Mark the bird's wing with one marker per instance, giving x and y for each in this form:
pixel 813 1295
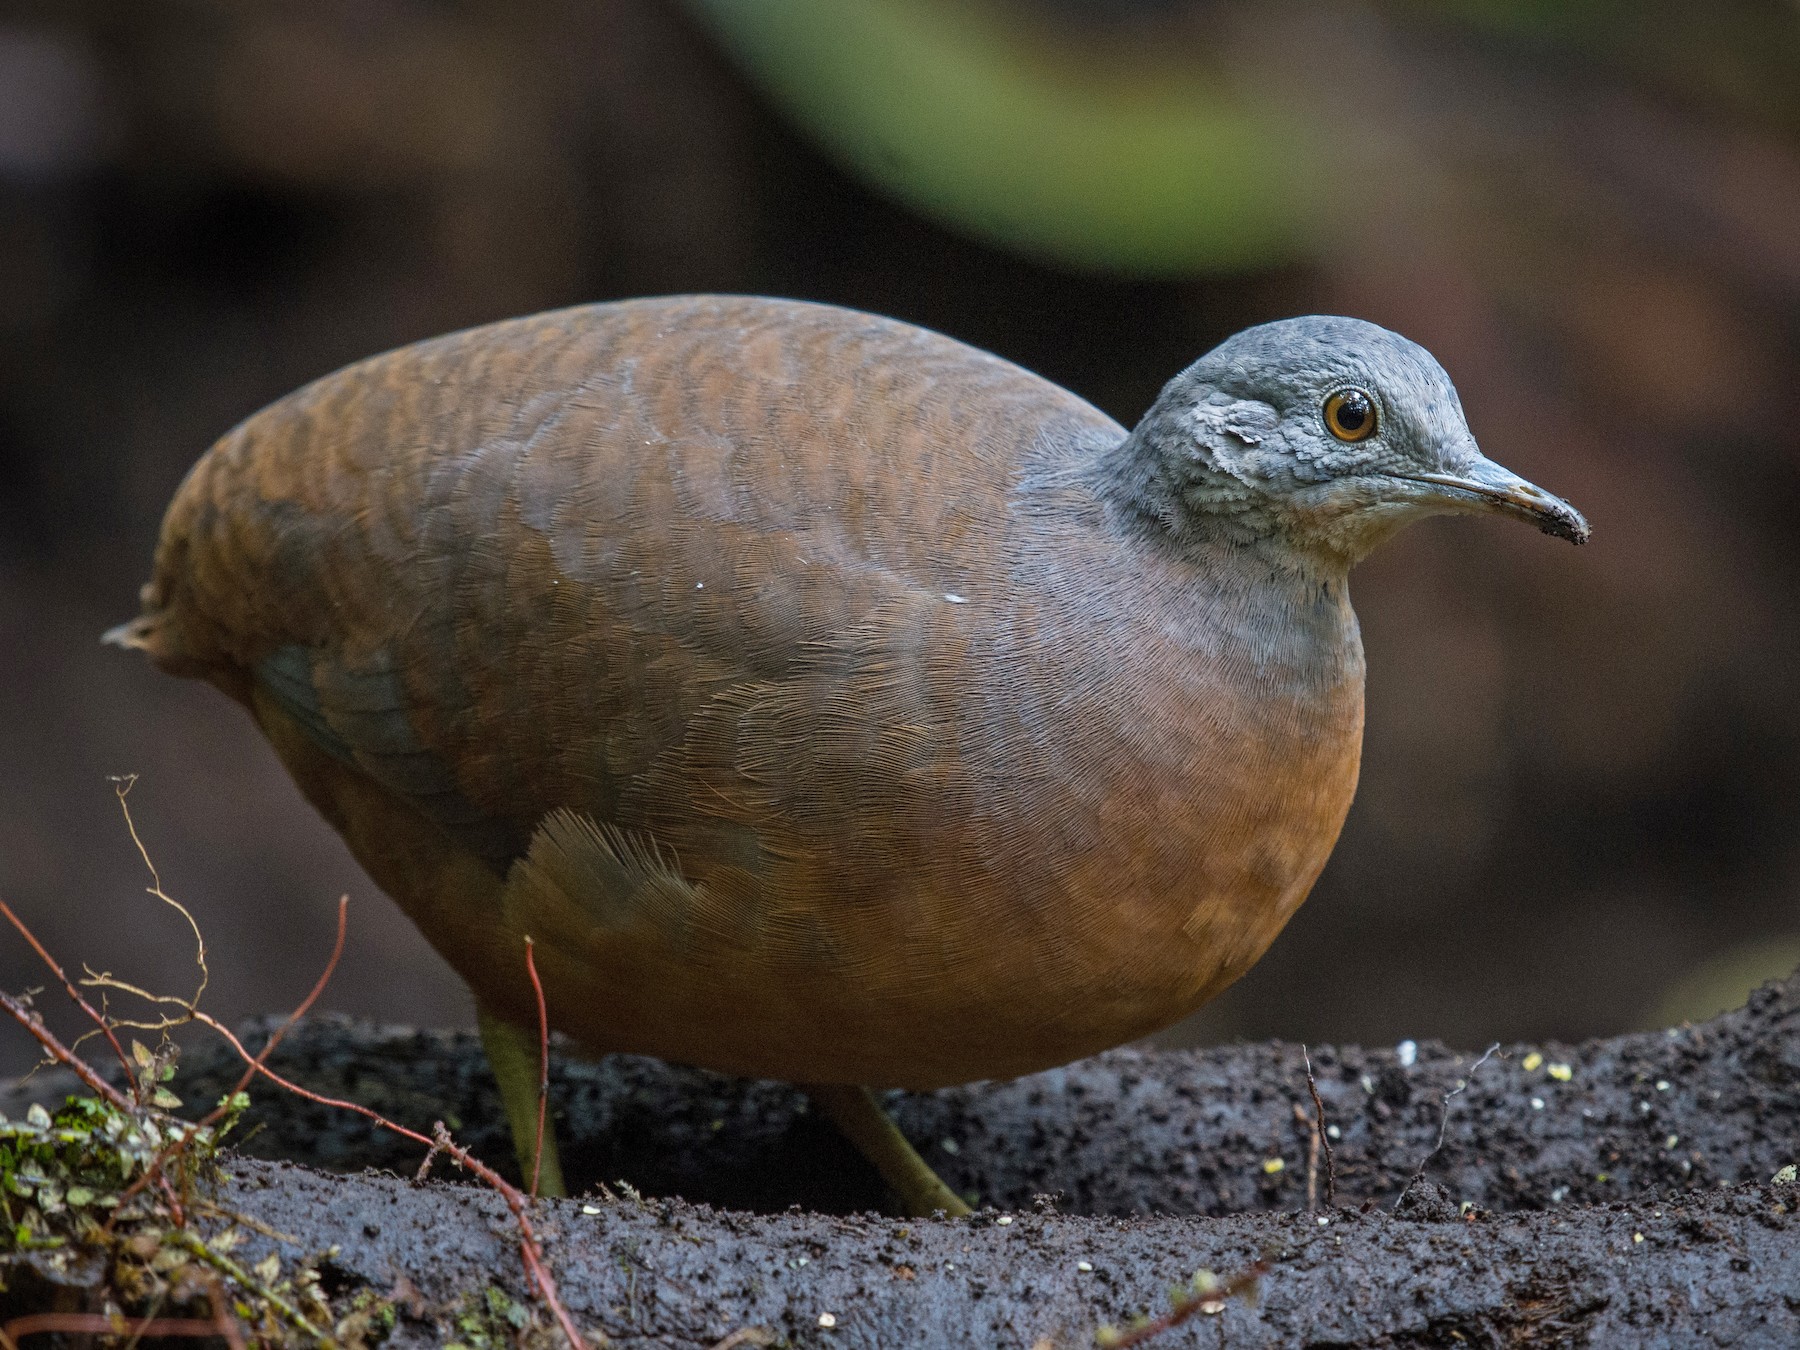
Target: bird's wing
pixel 699 570
pixel 362 713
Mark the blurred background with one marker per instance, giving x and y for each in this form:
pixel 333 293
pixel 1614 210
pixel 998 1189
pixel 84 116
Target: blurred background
pixel 1580 808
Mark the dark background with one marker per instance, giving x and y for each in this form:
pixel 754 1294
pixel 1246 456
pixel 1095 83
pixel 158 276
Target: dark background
pixel 1582 775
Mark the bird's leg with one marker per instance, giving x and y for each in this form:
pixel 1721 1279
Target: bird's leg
pixel 512 1053
pixel 855 1111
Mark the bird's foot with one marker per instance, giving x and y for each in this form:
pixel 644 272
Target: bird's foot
pixel 855 1111
pixel 513 1054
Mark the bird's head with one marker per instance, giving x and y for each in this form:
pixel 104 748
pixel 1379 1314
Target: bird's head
pixel 1324 433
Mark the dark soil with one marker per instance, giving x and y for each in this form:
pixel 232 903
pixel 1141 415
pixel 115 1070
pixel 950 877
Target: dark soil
pixel 1628 1203
pixel 1719 1268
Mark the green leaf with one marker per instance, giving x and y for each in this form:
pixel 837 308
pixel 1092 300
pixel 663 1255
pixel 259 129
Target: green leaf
pixel 972 114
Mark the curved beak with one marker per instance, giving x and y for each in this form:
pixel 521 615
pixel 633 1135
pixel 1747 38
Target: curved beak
pixel 1485 486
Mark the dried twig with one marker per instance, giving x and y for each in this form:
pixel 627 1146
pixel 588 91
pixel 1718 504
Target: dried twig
pixel 530 1248
pixel 289 1085
pixel 1209 1300
pixel 331 964
pixel 175 1150
pixel 1319 1138
pixel 425 1164
pixel 33 1022
pixel 1444 1122
pixel 122 785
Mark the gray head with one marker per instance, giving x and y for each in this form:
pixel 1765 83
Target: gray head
pixel 1323 434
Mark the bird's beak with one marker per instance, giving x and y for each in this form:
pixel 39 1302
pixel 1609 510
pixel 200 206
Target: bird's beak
pixel 1484 486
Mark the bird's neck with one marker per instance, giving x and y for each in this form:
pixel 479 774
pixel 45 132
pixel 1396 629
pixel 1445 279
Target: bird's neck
pixel 1198 598
pixel 1278 624
pixel 1185 500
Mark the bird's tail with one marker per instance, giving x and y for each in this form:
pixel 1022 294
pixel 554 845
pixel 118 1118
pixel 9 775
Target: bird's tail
pixel 149 633
pixel 161 633
pixel 137 634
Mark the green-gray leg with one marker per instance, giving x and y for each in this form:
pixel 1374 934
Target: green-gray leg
pixel 512 1053
pixel 855 1111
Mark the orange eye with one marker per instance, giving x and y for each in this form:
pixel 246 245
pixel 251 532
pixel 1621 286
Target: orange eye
pixel 1350 415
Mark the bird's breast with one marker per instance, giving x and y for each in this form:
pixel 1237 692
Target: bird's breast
pixel 1177 750
pixel 981 838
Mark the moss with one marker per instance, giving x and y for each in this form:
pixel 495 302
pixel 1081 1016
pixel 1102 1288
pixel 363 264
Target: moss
pixel 492 1319
pixel 81 1213
pixel 67 1180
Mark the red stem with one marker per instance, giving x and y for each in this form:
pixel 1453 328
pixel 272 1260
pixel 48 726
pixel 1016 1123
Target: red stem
pixel 530 1251
pixel 207 1019
pixel 223 1322
pixel 34 1023
pixel 69 987
pixel 337 951
pixel 150 1328
pixel 537 987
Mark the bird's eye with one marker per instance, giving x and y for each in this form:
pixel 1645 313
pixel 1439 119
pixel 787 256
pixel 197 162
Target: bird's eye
pixel 1350 415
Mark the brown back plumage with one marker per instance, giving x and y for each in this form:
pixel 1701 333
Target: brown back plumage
pixel 776 669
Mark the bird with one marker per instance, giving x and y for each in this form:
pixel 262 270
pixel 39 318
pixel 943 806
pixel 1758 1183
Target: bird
pixel 824 699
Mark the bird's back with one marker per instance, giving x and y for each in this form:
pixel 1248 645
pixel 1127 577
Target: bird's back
pixel 724 646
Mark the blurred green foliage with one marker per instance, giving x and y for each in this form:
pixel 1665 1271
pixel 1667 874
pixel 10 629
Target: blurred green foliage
pixel 1136 139
pixel 1078 152
pixel 1723 982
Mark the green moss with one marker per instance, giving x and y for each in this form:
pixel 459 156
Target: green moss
pixel 491 1320
pixel 79 1212
pixel 64 1176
